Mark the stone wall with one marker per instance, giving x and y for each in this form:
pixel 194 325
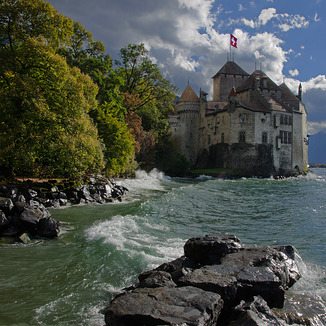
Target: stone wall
pixel 250 160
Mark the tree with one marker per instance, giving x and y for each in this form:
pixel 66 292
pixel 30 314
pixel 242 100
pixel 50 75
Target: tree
pixel 142 77
pixel 44 123
pixel 23 19
pixel 118 143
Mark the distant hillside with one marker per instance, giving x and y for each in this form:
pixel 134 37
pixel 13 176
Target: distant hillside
pixel 317 148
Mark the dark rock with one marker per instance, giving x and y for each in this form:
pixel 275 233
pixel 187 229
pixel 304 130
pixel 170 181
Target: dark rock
pixel 253 281
pixel 31 216
pixel 157 279
pixel 3 190
pixel 6 205
pixel 225 284
pixel 240 274
pixel 48 227
pixel 176 268
pixel 286 255
pixel 255 313
pixel 12 192
pixel 164 306
pixel 19 206
pixel 62 195
pixel 11 231
pixel 266 256
pixel 4 223
pixel 31 193
pixel 21 198
pixel 84 193
pixel 210 249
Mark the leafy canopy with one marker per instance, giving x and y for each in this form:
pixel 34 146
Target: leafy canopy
pixel 45 128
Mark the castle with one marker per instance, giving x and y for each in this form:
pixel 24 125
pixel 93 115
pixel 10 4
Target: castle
pixel 251 125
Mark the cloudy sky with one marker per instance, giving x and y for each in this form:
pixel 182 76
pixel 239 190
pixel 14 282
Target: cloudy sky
pixel 189 39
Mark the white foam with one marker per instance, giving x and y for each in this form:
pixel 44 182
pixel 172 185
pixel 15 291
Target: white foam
pixel 146 181
pixel 136 236
pixel 204 177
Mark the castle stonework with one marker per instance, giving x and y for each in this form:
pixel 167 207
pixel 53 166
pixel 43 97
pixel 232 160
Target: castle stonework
pixel 251 125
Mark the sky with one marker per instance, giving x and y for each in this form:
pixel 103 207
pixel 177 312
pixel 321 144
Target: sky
pixel 189 40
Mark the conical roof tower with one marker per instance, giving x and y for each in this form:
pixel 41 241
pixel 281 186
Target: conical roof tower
pixel 188 95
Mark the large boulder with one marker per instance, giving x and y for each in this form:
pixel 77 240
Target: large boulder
pixel 253 279
pixel 164 306
pixel 48 228
pixel 209 249
pixel 276 258
pixel 6 205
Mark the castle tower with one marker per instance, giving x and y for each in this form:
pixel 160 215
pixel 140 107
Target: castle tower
pixel 188 109
pixel 229 76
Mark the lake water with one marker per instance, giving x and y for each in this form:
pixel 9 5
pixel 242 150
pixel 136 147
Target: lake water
pixel 103 248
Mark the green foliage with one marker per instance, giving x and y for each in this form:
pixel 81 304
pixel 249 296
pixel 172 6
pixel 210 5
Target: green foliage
pixel 23 19
pixel 64 110
pixel 117 142
pixel 142 77
pixel 44 125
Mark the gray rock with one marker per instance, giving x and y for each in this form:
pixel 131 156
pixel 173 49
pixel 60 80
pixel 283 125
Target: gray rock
pixel 48 227
pixel 282 265
pixel 31 215
pixel 164 306
pixel 253 281
pixel 3 220
pixel 157 279
pixel 225 284
pixel 255 313
pixel 6 205
pixel 210 249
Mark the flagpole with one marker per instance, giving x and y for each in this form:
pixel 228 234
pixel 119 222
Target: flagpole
pixel 230 49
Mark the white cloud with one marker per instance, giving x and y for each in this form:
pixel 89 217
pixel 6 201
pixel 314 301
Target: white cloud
pixel 241 7
pixel 318 82
pixel 185 63
pixel 316 19
pixel 291 21
pixel 249 23
pixel 284 22
pixel 314 127
pixel 266 15
pixel 294 72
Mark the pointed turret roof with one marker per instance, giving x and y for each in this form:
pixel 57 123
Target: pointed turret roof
pixel 188 95
pixel 231 68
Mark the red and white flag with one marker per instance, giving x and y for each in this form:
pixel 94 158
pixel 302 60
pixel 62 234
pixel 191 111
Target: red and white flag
pixel 234 41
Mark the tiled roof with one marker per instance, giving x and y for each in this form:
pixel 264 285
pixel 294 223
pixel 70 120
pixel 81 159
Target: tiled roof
pixel 254 106
pixel 258 76
pixel 188 95
pixel 231 68
pixel 287 94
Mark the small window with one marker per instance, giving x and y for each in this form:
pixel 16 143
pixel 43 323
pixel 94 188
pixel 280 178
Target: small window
pixel 222 137
pixel 242 137
pixel 264 138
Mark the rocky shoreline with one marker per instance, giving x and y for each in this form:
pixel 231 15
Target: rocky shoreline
pixel 24 206
pixel 219 281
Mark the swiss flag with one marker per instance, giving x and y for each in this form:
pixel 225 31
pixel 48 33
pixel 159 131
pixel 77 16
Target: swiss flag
pixel 234 41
